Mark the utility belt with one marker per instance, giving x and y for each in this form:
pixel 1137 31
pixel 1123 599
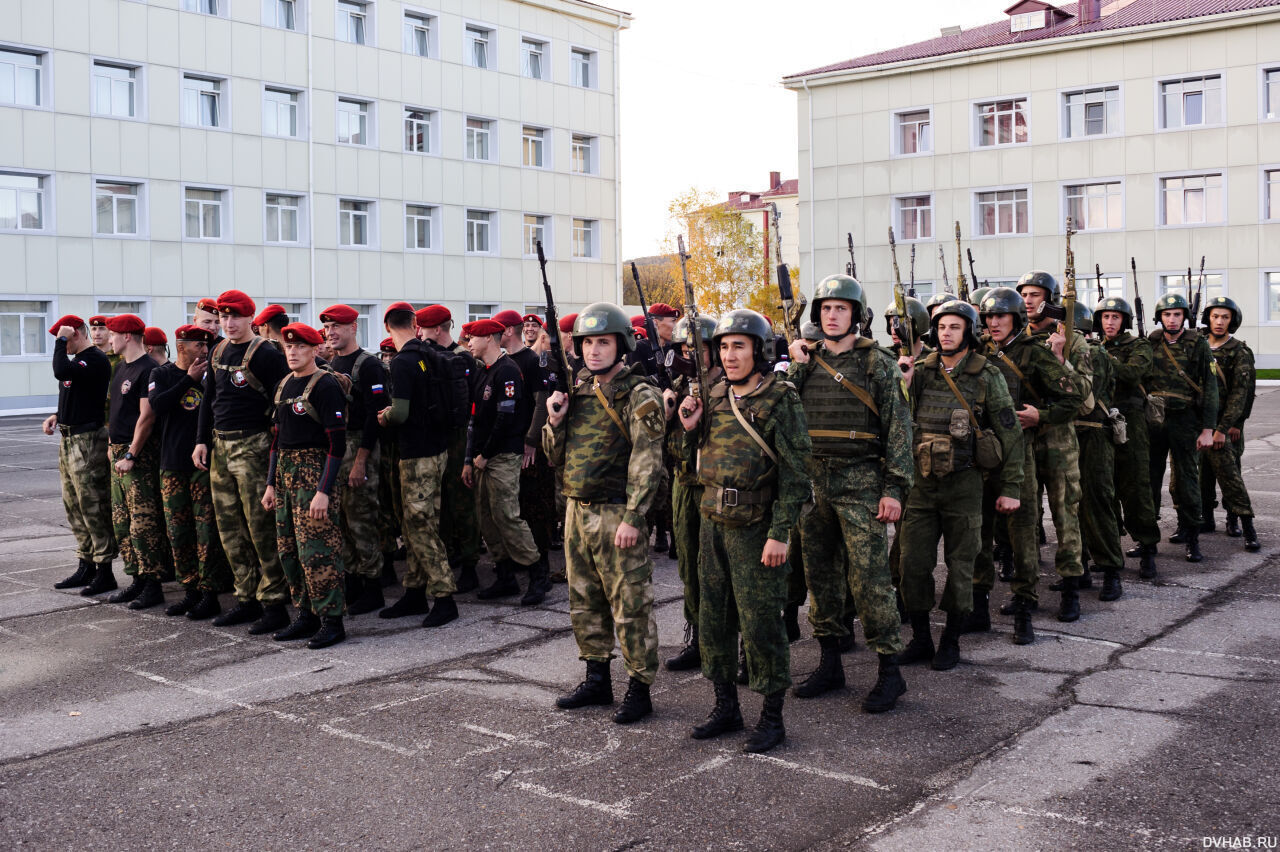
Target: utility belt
pixel 737 507
pixel 69 431
pixel 837 433
pixel 730 497
pixel 1173 395
pixel 237 434
pixel 603 501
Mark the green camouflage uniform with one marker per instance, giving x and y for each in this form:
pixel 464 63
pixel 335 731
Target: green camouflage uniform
pixel 686 497
pixel 1099 528
pixel 193 531
pixel 610 478
pixel 859 456
pixel 1233 366
pixel 498 505
pixel 1188 410
pixel 460 526
pixel 1130 358
pixel 390 506
pixel 310 550
pixel 946 498
pixel 420 481
pixel 136 511
pixel 358 515
pixel 85 471
pixel 236 472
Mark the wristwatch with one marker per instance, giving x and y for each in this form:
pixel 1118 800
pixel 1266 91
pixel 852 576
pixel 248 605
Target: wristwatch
pixel 128 456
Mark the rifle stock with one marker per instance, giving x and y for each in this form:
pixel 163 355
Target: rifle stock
pixel 562 378
pixel 1069 295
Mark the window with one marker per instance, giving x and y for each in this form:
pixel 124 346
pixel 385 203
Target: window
pixel 915 217
pixel 1178 284
pixel 476 46
pixel 293 311
pixel 1003 212
pixel 1192 200
pixel 363 327
pixel 417 34
pixel 280 113
pixel 204 214
pixel 417 130
pixel 478 132
pixel 1271 195
pixel 204 7
pixel 115 307
pixel 353 122
pixel 21 78
pixel 585 238
pixel 22 328
pixel 534 140
pixel 1093 112
pixel 479 312
pixel 533 55
pixel 114 90
pixel 1271 281
pixel 583 154
pixel 1096 206
pixel 117 208
pixel 417 226
pixel 1027 21
pixel 22 202
pixel 478 224
pixel 1002 123
pixel 281 215
pixel 1192 102
pixel 352 23
pixel 353 222
pixel 1112 287
pixel 280 13
pixel 582 68
pixel 914 133
pixel 1271 93
pixel 535 231
pixel 202 102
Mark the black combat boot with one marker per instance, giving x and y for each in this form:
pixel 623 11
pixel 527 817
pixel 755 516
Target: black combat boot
pixel 635 704
pixel 1111 587
pixel 130 591
pixel 1140 549
pixel 1084 581
pixel 443 611
pixel 769 731
pixel 979 619
pixel 1251 542
pixel 1193 545
pixel 274 617
pixel 412 602
pixel 354 585
pixel 104 580
pixel 690 657
pixel 725 717
pixel 1023 634
pixel 207 607
pixel 1005 558
pixel 242 613
pixel 828 675
pixel 847 641
pixel 948 653
pixel 303 627
pixel 368 596
pixel 539 584
pixel 83 576
pixel 920 648
pixel 1069 606
pixel 1010 607
pixel 152 594
pixel 744 677
pixel 888 689
pixel 1207 524
pixel 182 607
pixel 504 582
pixel 467 579
pixel 597 688
pixel 1233 525
pixel 1179 536
pixel 1147 567
pixel 791 618
pixel 661 544
pixel 331 632
pixel 389 577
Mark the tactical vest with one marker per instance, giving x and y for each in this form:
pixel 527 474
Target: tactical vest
pixel 596 453
pixel 936 406
pixel 304 398
pixel 739 477
pixel 1166 378
pixel 830 407
pixel 1018 356
pixel 242 369
pixel 1126 396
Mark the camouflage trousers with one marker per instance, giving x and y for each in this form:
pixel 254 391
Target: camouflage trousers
pixel 310 549
pixel 538 501
pixel 739 594
pixel 420 489
pixel 498 505
pixel 1222 468
pixel 686 523
pixel 846 552
pixel 947 508
pixel 1021 528
pixel 1176 438
pixel 1099 529
pixel 459 526
pixel 389 506
pixel 660 517
pixel 610 590
pixel 1058 471
pixel 237 477
pixel 136 511
pixel 86 494
pixel 995 533
pixel 358 515
pixel 193 534
pixel 1133 479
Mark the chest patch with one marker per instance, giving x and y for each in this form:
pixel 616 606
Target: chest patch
pixel 125 386
pixel 299 407
pixel 191 400
pixel 238 379
pixel 509 388
pixel 67 383
pixel 488 391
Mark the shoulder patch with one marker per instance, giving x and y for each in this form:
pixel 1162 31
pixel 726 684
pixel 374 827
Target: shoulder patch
pixel 647 406
pixel 1007 418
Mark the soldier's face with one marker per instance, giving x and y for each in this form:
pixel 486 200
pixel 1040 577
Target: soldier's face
pixel 236 328
pixel 737 356
pixel 340 336
pixel 386 357
pixel 206 320
pixel 1000 326
pixel 1173 320
pixel 665 326
pixel 191 351
pixel 951 331
pixel 836 316
pixel 299 355
pixel 99 335
pixel 1034 297
pixel 1219 321
pixel 600 352
pixel 117 340
pixel 531 330
pixel 1112 324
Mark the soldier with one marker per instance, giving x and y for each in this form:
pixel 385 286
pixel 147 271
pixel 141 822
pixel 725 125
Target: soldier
pixel 752 469
pixel 1233 366
pixel 937 299
pixel 206 316
pixel 234 445
pixel 389 507
pixel 358 478
pixel 83 373
pixel 965 424
pixel 157 345
pixel 270 324
pixel 665 320
pixel 175 393
pixel 1182 375
pixel 492 462
pixel 387 350
pixel 421 428
pixel 860 428
pixel 537 477
pixel 607 437
pixel 1130 358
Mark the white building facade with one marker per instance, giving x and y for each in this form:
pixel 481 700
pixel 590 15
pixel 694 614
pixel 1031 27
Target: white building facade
pixel 1161 138
pixel 305 151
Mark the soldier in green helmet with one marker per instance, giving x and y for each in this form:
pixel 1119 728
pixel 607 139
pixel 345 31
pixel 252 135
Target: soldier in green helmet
pixel 1233 367
pixel 919 317
pixel 976 297
pixel 937 299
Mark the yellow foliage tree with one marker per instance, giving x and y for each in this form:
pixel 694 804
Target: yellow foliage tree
pixel 726 256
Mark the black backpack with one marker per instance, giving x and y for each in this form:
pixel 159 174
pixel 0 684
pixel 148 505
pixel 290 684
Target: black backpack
pixel 450 385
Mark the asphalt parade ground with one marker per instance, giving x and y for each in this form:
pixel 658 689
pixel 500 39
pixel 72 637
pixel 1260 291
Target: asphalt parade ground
pixel 1150 723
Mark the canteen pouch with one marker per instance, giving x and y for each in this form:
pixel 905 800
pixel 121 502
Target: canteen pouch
pixel 1119 427
pixel 959 426
pixel 987 452
pixel 1155 410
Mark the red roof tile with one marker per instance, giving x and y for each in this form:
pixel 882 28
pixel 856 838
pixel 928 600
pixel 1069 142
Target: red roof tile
pixel 760 200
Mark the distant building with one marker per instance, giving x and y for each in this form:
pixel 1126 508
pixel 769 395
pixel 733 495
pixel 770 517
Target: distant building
pixel 757 208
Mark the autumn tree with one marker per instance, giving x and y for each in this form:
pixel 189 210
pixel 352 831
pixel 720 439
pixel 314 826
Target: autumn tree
pixel 660 278
pixel 726 256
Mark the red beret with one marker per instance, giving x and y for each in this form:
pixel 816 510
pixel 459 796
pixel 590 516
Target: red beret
pixel 566 323
pixel 126 324
pixel 433 315
pixel 341 314
pixel 154 336
pixel 508 318
pixel 207 304
pixel 637 321
pixel 269 313
pixel 98 320
pixel 534 318
pixel 194 332
pixel 662 309
pixel 398 306
pixel 236 302
pixel 296 332
pixel 640 333
pixel 70 320
pixel 387 345
pixel 484 327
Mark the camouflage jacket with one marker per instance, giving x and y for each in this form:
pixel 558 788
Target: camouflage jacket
pixel 1130 356
pixel 601 463
pixel 1190 355
pixel 1052 387
pixel 1233 365
pixel 682 446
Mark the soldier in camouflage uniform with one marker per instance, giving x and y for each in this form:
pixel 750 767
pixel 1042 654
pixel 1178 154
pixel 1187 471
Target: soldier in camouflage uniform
pixel 860 428
pixel 607 436
pixel 964 424
pixel 1182 375
pixel 1233 367
pixel 389 503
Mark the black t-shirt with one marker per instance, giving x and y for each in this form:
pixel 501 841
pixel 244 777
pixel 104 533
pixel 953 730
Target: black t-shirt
pixel 369 394
pixel 495 425
pixel 82 384
pixel 230 402
pixel 128 388
pixel 535 381
pixel 413 369
pixel 175 398
pixel 298 429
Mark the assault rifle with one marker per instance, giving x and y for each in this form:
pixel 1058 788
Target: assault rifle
pixel 902 323
pixel 1195 306
pixel 911 291
pixel 657 366
pixel 946 282
pixel 1069 296
pixel 691 314
pixel 868 315
pixel 561 377
pixel 1137 298
pixel 962 283
pixel 972 274
pixel 1097 276
pixel 853 260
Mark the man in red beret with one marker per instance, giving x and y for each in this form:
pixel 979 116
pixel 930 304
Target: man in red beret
pixel 234 442
pixel 664 322
pixel 532 329
pixel 101 337
pixel 271 322
pixel 206 316
pixel 157 344
pixel 83 373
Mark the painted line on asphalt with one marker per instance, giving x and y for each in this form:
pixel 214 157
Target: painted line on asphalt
pixel 538 790
pixel 821 773
pixel 1117 830
pixel 1214 654
pixel 706 766
pixel 361 738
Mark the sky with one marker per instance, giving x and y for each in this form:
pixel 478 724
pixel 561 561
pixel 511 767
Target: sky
pixel 702 104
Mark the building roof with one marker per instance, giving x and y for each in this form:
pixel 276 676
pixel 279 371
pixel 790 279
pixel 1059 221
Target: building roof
pixel 1115 15
pixel 742 201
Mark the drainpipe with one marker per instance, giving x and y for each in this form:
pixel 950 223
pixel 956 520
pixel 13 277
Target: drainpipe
pixel 311 170
pixel 809 108
pixel 617 173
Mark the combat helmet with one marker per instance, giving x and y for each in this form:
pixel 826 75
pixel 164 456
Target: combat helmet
pixel 1006 300
pixel 1229 304
pixel 810 331
pixel 1172 302
pixel 706 328
pixel 601 318
pixel 1084 318
pixel 748 322
pixel 937 299
pixel 917 314
pixel 838 286
pixel 959 308
pixel 1117 305
pixel 976 296
pixel 1045 281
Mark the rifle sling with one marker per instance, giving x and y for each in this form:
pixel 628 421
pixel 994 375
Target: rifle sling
pixel 610 410
pixel 955 390
pixel 742 421
pixel 862 395
pixel 1021 376
pixel 1169 354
